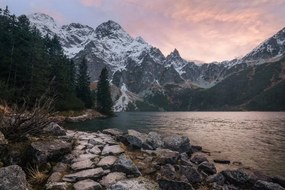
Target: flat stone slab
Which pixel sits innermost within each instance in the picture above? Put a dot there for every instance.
(95, 150)
(55, 177)
(60, 167)
(140, 183)
(113, 132)
(110, 141)
(107, 161)
(96, 141)
(81, 165)
(87, 184)
(112, 150)
(83, 157)
(112, 178)
(85, 174)
(57, 185)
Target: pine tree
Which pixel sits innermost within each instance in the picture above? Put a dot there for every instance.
(83, 85)
(104, 100)
(29, 62)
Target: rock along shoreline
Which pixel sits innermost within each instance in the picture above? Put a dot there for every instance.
(114, 160)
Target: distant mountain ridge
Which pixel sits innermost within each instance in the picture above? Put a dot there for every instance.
(138, 69)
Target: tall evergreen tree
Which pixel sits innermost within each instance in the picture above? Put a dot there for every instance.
(104, 100)
(28, 64)
(83, 85)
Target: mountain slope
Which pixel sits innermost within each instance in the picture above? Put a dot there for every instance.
(260, 87)
(140, 71)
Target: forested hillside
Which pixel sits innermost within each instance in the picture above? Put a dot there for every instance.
(32, 65)
(260, 87)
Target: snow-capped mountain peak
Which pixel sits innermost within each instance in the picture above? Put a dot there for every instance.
(175, 53)
(135, 65)
(44, 23)
(174, 59)
(111, 29)
(140, 40)
(272, 47)
(41, 17)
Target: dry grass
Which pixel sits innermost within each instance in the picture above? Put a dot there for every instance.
(36, 177)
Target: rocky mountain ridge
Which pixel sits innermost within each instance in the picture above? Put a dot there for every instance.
(137, 68)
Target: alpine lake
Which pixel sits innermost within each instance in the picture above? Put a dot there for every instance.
(256, 139)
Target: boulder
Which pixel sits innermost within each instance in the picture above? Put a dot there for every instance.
(164, 156)
(136, 139)
(57, 186)
(55, 177)
(45, 151)
(13, 178)
(107, 162)
(112, 178)
(191, 174)
(114, 132)
(112, 150)
(60, 167)
(14, 157)
(168, 172)
(216, 178)
(85, 174)
(195, 148)
(54, 129)
(140, 183)
(177, 143)
(237, 177)
(199, 158)
(184, 160)
(208, 168)
(255, 175)
(87, 184)
(83, 165)
(265, 185)
(166, 184)
(126, 165)
(154, 140)
(280, 180)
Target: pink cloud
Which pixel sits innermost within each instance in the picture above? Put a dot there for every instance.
(207, 30)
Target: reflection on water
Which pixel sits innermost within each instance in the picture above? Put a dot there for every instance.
(257, 139)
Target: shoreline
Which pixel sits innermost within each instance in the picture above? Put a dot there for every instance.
(111, 159)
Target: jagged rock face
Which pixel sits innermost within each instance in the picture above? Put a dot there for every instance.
(135, 66)
(109, 45)
(272, 47)
(73, 37)
(138, 77)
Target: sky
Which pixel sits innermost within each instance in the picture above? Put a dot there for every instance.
(204, 30)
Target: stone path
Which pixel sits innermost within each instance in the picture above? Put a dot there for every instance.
(97, 161)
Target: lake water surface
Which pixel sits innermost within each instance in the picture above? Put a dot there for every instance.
(257, 139)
